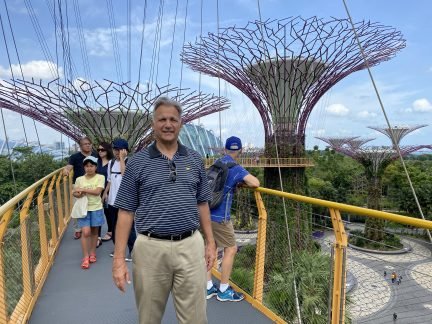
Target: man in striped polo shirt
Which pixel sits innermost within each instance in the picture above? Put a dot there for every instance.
(165, 187)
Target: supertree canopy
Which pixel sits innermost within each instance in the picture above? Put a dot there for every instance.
(337, 141)
(101, 111)
(284, 67)
(397, 132)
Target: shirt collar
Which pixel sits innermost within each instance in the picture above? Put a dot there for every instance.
(154, 152)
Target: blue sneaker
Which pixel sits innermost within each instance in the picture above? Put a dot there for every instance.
(229, 295)
(213, 291)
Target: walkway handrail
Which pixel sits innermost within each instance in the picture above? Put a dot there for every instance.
(28, 247)
(337, 298)
(351, 209)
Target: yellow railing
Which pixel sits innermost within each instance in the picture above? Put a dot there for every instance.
(251, 162)
(33, 223)
(31, 227)
(338, 294)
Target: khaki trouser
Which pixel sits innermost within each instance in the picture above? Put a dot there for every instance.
(162, 266)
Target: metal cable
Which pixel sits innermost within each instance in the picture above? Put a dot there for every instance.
(395, 144)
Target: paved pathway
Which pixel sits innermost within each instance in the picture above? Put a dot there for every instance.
(375, 298)
(72, 295)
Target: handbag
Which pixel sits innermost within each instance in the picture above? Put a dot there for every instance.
(79, 209)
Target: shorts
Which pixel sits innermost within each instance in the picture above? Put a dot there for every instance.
(223, 234)
(94, 218)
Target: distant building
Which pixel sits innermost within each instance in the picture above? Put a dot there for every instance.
(199, 139)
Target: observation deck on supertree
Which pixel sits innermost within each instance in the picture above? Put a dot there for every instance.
(102, 110)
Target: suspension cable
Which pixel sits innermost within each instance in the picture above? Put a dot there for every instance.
(218, 66)
(172, 43)
(142, 42)
(299, 318)
(11, 71)
(395, 144)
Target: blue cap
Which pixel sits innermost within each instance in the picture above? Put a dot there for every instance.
(233, 143)
(120, 144)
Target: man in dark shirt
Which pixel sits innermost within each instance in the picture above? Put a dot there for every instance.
(165, 189)
(76, 163)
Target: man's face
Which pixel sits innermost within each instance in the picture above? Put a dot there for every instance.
(85, 146)
(166, 124)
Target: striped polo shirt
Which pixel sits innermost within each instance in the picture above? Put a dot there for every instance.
(161, 205)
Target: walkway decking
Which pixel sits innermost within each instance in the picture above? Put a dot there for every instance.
(72, 295)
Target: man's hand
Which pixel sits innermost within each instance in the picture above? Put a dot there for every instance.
(120, 273)
(210, 254)
(65, 172)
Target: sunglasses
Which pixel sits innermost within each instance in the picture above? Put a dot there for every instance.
(101, 150)
(173, 171)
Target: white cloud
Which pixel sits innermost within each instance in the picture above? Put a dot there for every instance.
(421, 105)
(364, 114)
(337, 110)
(33, 69)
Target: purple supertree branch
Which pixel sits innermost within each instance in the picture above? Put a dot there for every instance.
(103, 110)
(325, 48)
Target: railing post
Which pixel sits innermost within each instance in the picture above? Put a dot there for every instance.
(26, 253)
(42, 231)
(3, 227)
(61, 222)
(260, 249)
(51, 211)
(339, 268)
(66, 196)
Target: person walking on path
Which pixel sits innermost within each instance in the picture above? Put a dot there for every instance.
(91, 185)
(76, 163)
(165, 190)
(105, 155)
(223, 230)
(116, 169)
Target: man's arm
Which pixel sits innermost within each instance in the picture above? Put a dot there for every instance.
(210, 255)
(251, 181)
(120, 271)
(67, 169)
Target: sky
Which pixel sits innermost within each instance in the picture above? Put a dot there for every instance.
(404, 83)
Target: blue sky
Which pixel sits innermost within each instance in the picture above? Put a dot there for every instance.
(404, 83)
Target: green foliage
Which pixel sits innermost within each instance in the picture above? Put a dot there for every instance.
(28, 167)
(312, 279)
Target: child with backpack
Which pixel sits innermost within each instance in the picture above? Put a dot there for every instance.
(116, 169)
(90, 185)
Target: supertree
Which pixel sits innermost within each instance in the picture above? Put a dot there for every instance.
(358, 142)
(284, 67)
(102, 110)
(375, 160)
(337, 141)
(396, 133)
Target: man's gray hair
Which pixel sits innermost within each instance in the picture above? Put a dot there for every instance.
(165, 101)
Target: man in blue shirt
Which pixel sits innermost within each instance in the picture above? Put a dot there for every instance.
(223, 230)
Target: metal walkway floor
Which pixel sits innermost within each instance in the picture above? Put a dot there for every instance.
(72, 295)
